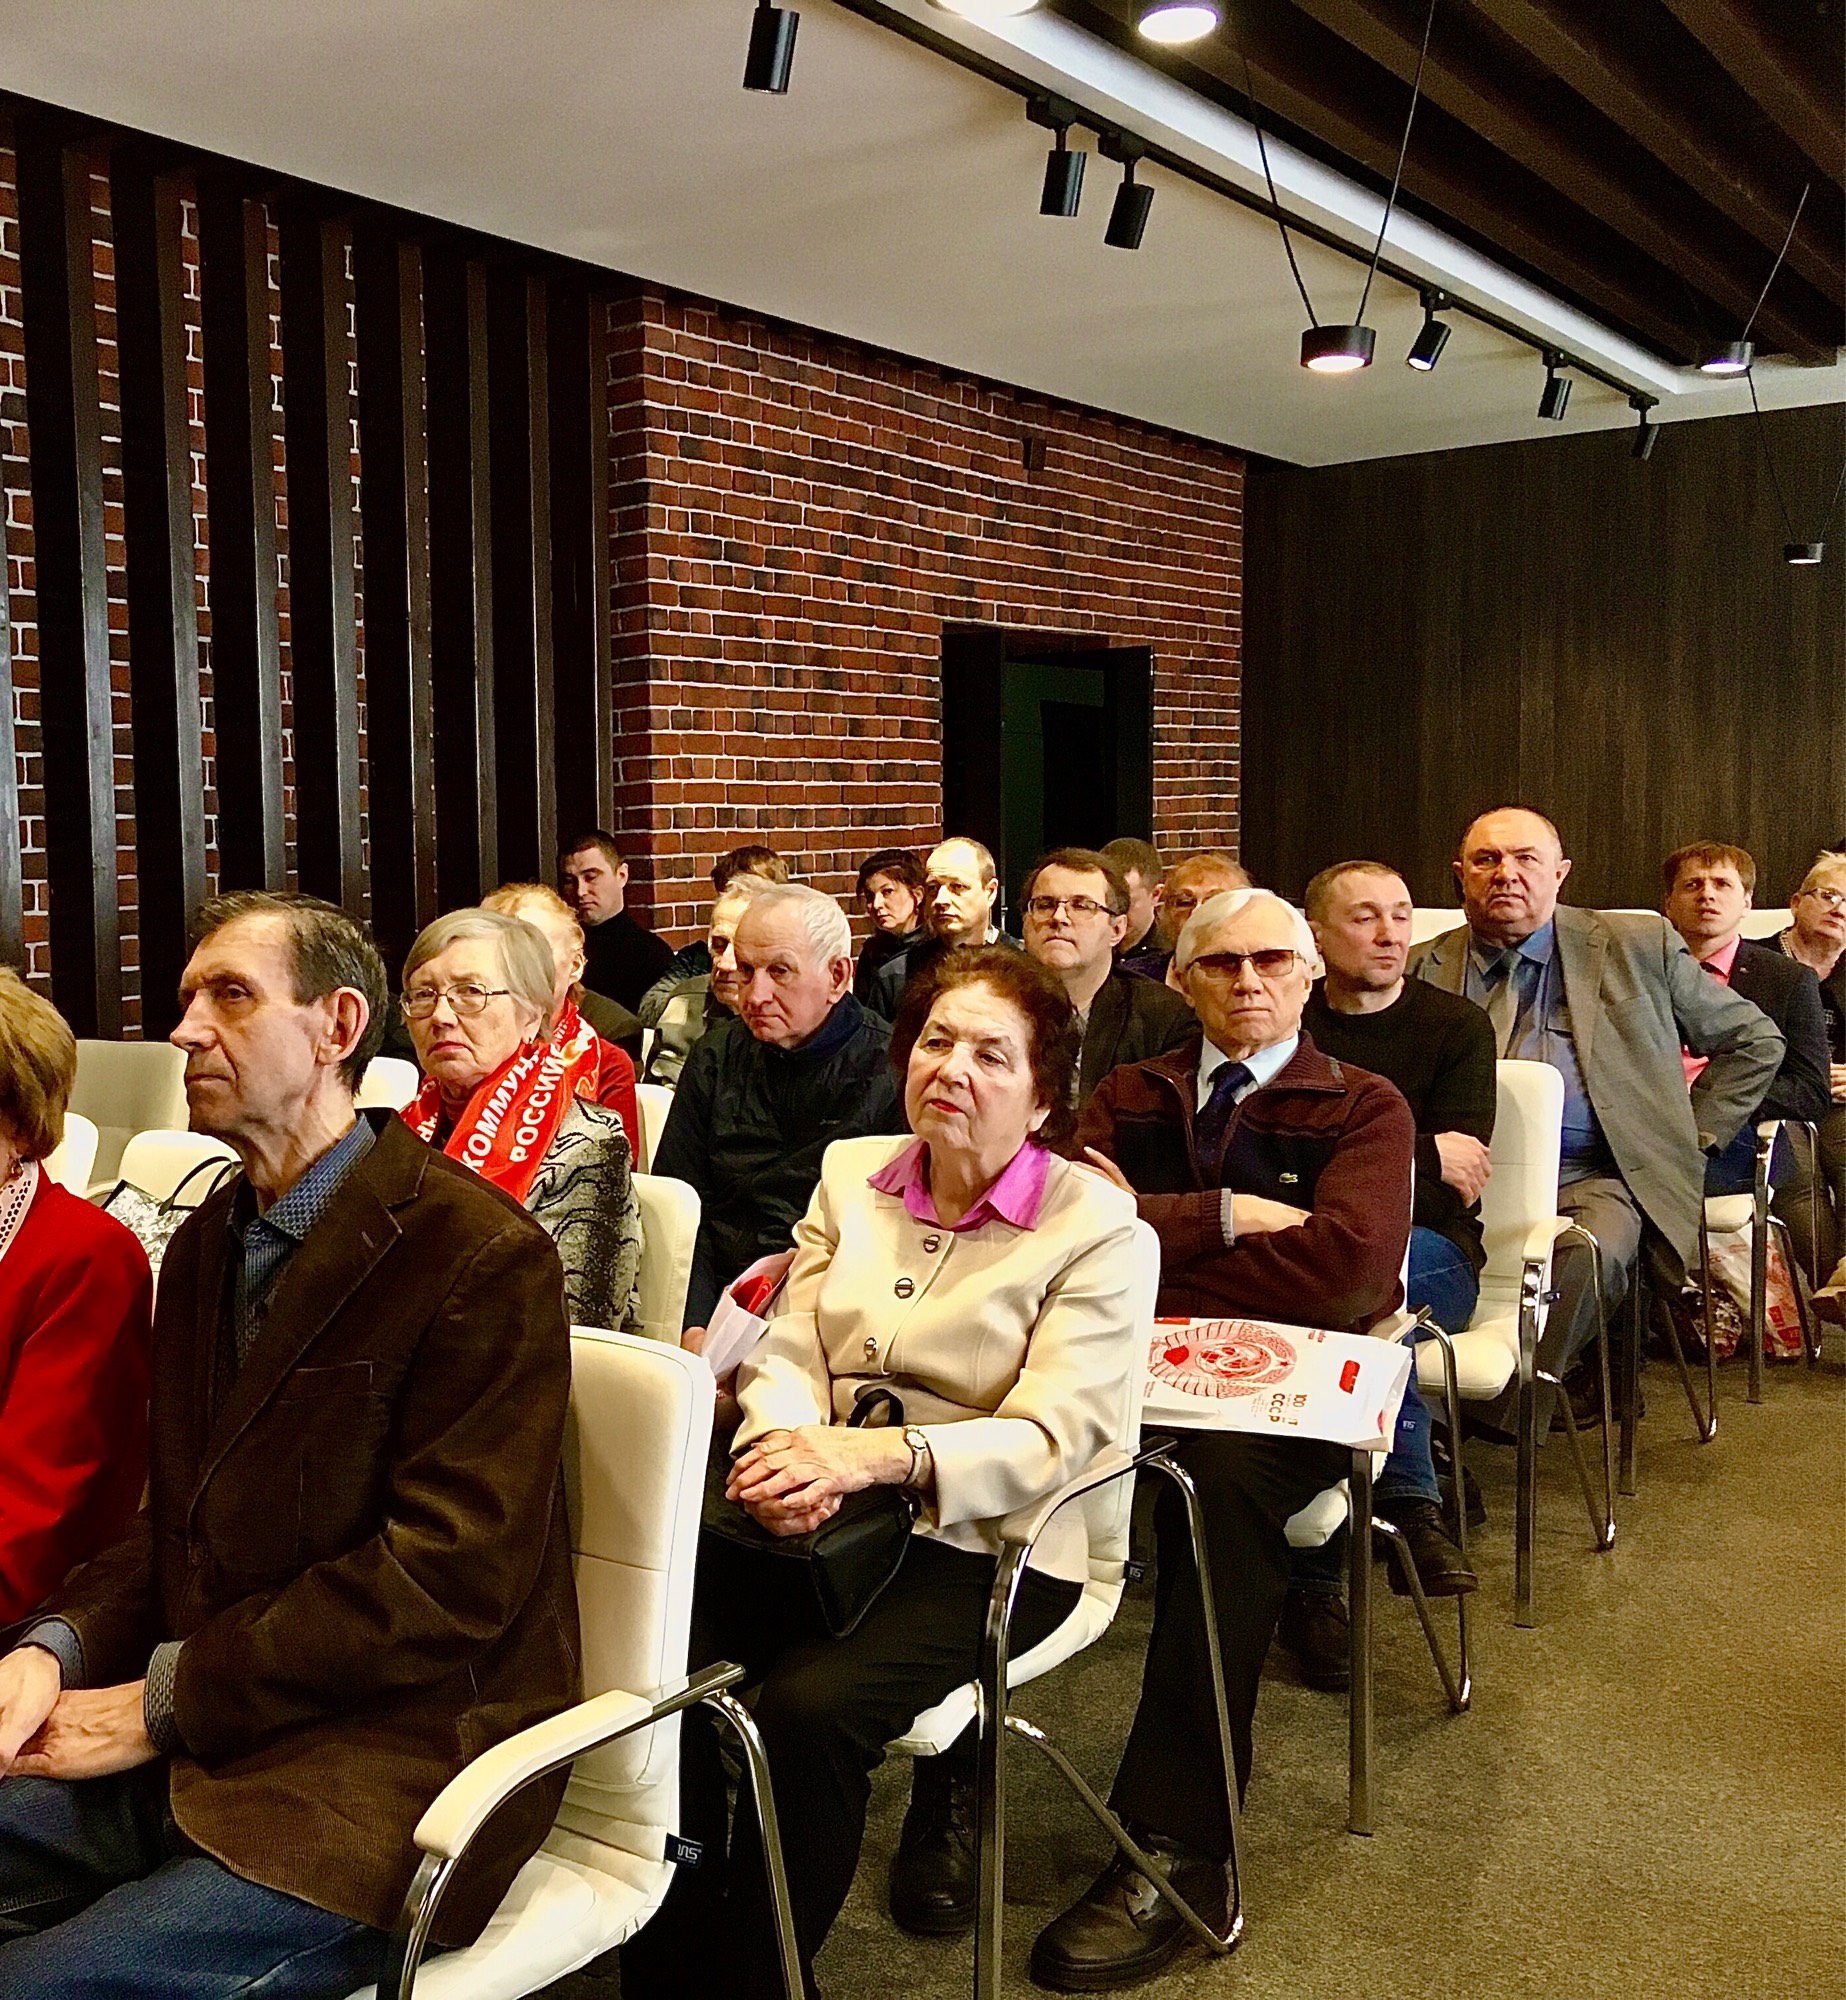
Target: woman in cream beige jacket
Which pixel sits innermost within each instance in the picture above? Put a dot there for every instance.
(985, 1282)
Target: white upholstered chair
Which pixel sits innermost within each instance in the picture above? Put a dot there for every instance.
(669, 1232)
(640, 1427)
(1427, 924)
(124, 1088)
(165, 1164)
(387, 1083)
(1520, 1226)
(72, 1161)
(654, 1101)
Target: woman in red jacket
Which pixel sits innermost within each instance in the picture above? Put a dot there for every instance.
(76, 1305)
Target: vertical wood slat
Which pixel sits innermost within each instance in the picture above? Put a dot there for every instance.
(240, 450)
(480, 500)
(12, 878)
(538, 465)
(316, 253)
(602, 608)
(163, 625)
(414, 400)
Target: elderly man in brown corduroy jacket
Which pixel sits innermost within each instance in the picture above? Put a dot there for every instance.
(352, 1573)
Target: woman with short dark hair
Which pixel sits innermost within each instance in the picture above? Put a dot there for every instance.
(984, 1283)
(890, 891)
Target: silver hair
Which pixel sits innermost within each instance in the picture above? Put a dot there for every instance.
(525, 956)
(829, 934)
(1228, 903)
(744, 889)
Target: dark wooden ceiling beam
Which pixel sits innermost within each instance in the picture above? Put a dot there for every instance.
(1572, 44)
(1733, 33)
(1497, 116)
(1296, 93)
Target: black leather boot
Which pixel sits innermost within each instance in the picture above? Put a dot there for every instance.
(934, 1882)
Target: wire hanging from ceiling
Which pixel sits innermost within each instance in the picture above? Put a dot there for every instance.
(1397, 176)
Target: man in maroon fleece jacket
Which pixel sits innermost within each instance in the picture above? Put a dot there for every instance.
(1279, 1183)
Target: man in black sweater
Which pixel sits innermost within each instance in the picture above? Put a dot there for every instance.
(1438, 1050)
(762, 1097)
(621, 957)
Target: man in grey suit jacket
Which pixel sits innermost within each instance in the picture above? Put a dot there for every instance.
(1609, 1000)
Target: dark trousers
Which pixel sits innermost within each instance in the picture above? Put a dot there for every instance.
(102, 1898)
(1171, 1777)
(826, 1707)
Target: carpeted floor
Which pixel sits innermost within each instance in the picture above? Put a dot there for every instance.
(1648, 1799)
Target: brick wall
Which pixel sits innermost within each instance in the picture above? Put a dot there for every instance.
(795, 520)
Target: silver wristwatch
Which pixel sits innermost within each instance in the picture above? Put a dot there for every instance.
(918, 1474)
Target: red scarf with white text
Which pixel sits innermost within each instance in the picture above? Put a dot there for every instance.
(512, 1118)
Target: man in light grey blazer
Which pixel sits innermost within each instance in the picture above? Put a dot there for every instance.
(1609, 1000)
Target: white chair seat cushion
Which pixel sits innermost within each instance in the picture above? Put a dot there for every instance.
(566, 1907)
(1486, 1356)
(1320, 1519)
(1726, 1212)
(936, 1728)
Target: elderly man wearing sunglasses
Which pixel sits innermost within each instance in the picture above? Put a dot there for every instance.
(1279, 1184)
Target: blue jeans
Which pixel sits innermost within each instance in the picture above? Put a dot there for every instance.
(103, 1898)
(1441, 1278)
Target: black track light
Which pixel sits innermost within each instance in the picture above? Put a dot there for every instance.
(1063, 189)
(1128, 216)
(1556, 397)
(1733, 358)
(1646, 431)
(1337, 350)
(772, 48)
(1426, 349)
(1803, 555)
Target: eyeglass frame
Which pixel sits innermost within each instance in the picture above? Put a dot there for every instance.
(1832, 899)
(1078, 906)
(1230, 964)
(421, 1005)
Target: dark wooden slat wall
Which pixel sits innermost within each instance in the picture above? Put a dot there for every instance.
(163, 621)
(240, 432)
(323, 600)
(76, 699)
(1618, 643)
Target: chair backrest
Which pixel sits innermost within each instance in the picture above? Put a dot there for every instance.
(655, 1100)
(1766, 923)
(1108, 1512)
(387, 1084)
(72, 1161)
(634, 1473)
(1427, 924)
(669, 1229)
(159, 1163)
(1523, 1187)
(128, 1087)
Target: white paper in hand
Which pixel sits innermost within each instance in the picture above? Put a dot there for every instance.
(733, 1330)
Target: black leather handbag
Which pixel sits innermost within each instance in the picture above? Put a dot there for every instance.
(850, 1558)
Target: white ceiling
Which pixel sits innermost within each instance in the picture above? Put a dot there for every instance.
(891, 196)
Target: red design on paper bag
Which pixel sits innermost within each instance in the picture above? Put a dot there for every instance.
(1228, 1357)
(1349, 1376)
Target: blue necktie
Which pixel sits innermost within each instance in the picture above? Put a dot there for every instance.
(1214, 1121)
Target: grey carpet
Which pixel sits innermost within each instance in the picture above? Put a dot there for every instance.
(1648, 1799)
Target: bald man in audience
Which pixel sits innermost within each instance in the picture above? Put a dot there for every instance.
(1279, 1185)
(1609, 999)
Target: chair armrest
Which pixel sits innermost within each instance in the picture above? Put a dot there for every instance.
(468, 1800)
(1542, 1236)
(1022, 1529)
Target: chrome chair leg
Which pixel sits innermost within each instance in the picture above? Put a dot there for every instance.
(1359, 1645)
(1525, 1497)
(743, 1726)
(1759, 1258)
(1463, 1683)
(1602, 1516)
(1704, 1421)
(1633, 1344)
(1398, 1549)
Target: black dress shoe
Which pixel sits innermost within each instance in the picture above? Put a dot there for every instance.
(1439, 1564)
(1122, 1930)
(935, 1885)
(1314, 1628)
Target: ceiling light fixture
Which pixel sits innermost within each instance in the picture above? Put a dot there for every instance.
(1063, 189)
(772, 48)
(985, 10)
(1128, 215)
(1426, 349)
(1733, 358)
(1337, 350)
(1172, 23)
(1803, 555)
(1646, 431)
(1555, 398)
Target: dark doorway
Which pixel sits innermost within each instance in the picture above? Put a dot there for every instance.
(1047, 741)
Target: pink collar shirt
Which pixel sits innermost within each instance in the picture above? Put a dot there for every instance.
(1015, 1197)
